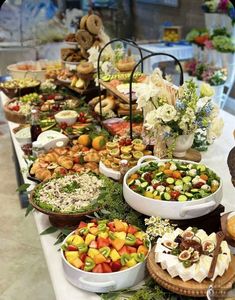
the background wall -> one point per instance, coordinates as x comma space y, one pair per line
149, 18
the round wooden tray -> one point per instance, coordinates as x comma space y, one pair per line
190, 288
58, 219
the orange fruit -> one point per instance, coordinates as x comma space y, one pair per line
99, 142
84, 140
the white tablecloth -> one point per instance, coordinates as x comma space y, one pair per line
215, 157
181, 52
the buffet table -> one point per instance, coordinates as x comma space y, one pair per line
215, 157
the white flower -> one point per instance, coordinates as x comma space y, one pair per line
150, 119
107, 67
215, 129
166, 112
145, 92
93, 56
202, 102
215, 111
206, 90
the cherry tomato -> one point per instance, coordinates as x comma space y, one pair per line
81, 114
175, 194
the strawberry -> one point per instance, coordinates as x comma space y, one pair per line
116, 265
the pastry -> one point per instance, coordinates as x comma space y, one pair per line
65, 162
84, 53
84, 38
42, 174
83, 22
51, 157
231, 225
107, 104
95, 100
85, 68
93, 24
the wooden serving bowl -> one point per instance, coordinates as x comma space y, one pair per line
18, 92
13, 116
58, 219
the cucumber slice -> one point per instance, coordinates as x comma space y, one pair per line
189, 195
170, 180
202, 168
187, 179
194, 190
178, 182
183, 167
158, 174
182, 198
167, 196
144, 184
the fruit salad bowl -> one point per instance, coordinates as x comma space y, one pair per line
173, 189
105, 256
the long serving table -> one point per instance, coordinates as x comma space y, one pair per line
215, 157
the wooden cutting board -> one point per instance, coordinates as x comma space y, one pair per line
190, 288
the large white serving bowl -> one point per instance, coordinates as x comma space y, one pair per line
169, 209
103, 282
50, 138
23, 136
66, 116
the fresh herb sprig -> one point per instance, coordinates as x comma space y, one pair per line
114, 206
71, 187
149, 291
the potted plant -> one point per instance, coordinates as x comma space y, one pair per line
216, 78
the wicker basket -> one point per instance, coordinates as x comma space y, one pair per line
14, 116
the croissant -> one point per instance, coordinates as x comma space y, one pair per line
60, 150
92, 166
35, 167
92, 157
65, 162
78, 168
43, 174
60, 171
51, 157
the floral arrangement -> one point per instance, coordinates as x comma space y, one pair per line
220, 39
207, 73
190, 67
214, 76
198, 37
223, 44
220, 6
170, 111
